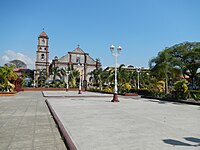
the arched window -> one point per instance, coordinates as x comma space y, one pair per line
42, 56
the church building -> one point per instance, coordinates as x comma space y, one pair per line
77, 58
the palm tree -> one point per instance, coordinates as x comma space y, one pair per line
74, 76
97, 76
123, 76
56, 73
42, 78
161, 66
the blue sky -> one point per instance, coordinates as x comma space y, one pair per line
141, 27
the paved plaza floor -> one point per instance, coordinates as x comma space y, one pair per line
95, 123
26, 124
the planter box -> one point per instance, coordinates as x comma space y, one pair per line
7, 93
130, 94
51, 89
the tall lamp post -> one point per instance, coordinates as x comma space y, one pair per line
79, 89
138, 71
115, 54
34, 78
67, 80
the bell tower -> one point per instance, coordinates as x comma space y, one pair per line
42, 55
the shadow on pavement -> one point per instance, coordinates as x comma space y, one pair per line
173, 142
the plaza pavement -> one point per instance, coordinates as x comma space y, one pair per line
26, 124
95, 123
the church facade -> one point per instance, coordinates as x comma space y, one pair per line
77, 58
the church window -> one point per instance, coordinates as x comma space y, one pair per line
77, 59
42, 56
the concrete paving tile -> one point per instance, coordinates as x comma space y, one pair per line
43, 135
43, 142
46, 147
45, 130
7, 132
5, 139
4, 146
24, 148
61, 146
20, 144
25, 120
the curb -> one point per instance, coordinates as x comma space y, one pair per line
66, 137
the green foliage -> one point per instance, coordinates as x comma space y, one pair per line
181, 90
94, 90
108, 90
176, 61
195, 94
74, 76
181, 86
42, 78
160, 86
125, 88
6, 75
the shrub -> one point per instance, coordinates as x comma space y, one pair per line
195, 94
125, 88
93, 90
160, 85
108, 90
181, 86
181, 90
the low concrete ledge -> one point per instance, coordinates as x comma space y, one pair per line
66, 137
7, 93
191, 102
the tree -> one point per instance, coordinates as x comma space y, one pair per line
17, 63
98, 77
187, 58
161, 66
124, 78
179, 59
56, 73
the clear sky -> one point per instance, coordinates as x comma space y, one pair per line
141, 27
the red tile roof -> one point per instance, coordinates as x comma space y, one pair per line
43, 34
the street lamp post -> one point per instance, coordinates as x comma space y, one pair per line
115, 54
138, 71
79, 89
34, 78
67, 80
